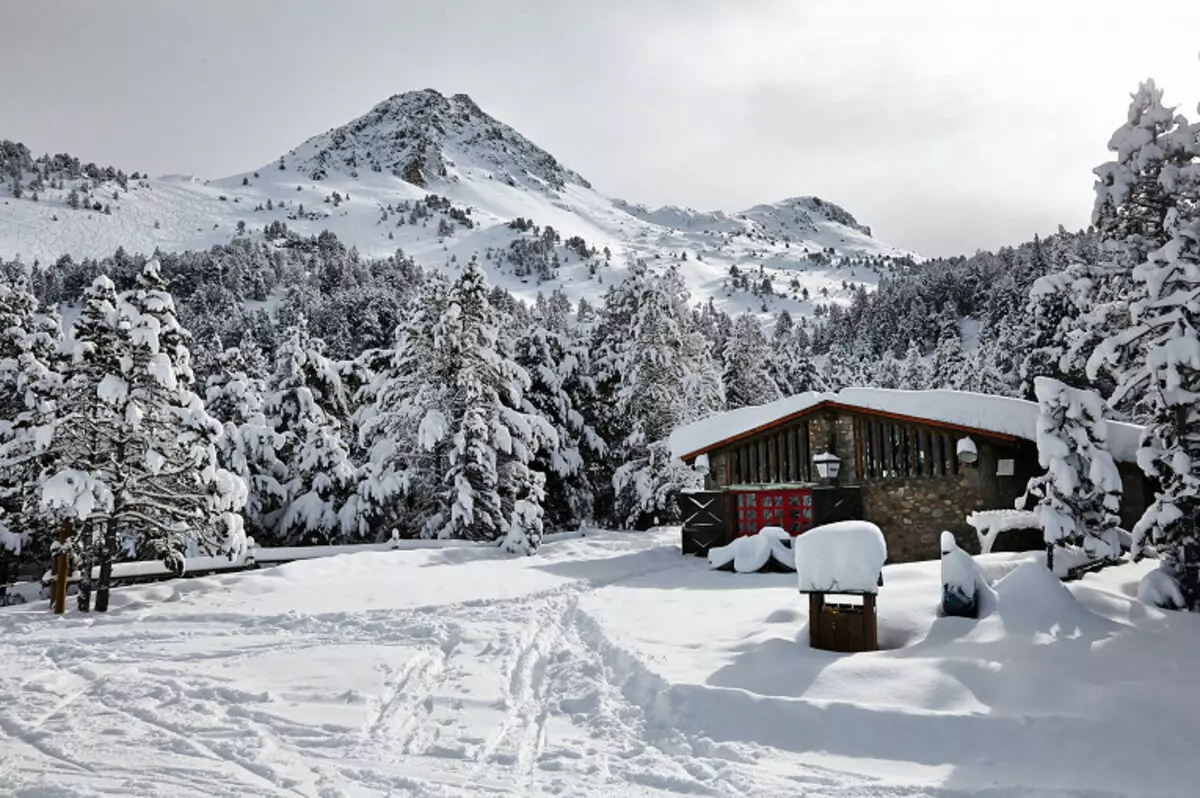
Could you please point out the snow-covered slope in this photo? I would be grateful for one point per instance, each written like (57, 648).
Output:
(607, 666)
(364, 179)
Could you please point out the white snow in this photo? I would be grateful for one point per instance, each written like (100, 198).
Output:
(75, 494)
(751, 553)
(999, 414)
(845, 556)
(988, 524)
(113, 389)
(10, 541)
(1158, 588)
(605, 666)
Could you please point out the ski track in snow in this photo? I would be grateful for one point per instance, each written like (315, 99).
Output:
(111, 711)
(521, 695)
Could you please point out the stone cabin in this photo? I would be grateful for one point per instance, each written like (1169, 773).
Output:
(913, 462)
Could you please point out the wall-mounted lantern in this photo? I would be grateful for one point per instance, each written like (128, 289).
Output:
(828, 466)
(967, 453)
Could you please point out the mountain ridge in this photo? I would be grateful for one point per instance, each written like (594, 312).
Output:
(441, 179)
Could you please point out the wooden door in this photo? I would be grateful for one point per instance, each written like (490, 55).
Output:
(705, 517)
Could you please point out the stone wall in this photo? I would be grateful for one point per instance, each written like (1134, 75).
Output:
(913, 512)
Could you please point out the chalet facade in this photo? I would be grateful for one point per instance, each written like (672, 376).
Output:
(913, 462)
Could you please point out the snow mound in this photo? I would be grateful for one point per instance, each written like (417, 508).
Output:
(753, 553)
(846, 556)
(1159, 589)
(1033, 600)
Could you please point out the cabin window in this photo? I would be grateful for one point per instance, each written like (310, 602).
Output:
(890, 450)
(781, 456)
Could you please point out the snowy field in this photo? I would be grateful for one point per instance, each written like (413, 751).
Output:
(609, 665)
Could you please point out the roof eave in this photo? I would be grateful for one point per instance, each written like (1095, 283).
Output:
(829, 404)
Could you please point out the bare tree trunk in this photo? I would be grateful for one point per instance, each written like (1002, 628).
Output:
(108, 548)
(6, 558)
(62, 566)
(87, 552)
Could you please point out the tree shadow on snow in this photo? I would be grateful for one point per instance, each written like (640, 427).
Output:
(662, 568)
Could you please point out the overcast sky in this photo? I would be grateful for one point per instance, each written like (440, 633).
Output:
(946, 126)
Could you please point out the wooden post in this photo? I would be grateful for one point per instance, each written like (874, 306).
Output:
(815, 602)
(870, 623)
(62, 568)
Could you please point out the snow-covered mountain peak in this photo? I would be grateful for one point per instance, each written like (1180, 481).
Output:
(802, 214)
(439, 178)
(426, 138)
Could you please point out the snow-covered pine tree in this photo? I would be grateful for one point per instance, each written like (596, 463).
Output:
(1135, 194)
(783, 355)
(249, 445)
(29, 387)
(556, 363)
(662, 385)
(397, 489)
(324, 508)
(1152, 196)
(1056, 302)
(948, 358)
(914, 372)
(611, 353)
(1156, 362)
(887, 372)
(839, 370)
(1080, 493)
(980, 375)
(488, 490)
(454, 444)
(17, 308)
(804, 376)
(170, 494)
(304, 404)
(81, 439)
(790, 357)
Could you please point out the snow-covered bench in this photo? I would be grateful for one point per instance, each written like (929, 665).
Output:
(988, 525)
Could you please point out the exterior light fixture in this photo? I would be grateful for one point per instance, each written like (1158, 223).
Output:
(967, 453)
(828, 465)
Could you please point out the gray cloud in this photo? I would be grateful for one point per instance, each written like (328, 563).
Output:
(946, 126)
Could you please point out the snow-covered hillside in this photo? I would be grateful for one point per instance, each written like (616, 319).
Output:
(364, 180)
(606, 666)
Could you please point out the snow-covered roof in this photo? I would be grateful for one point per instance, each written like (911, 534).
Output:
(1001, 415)
(708, 433)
